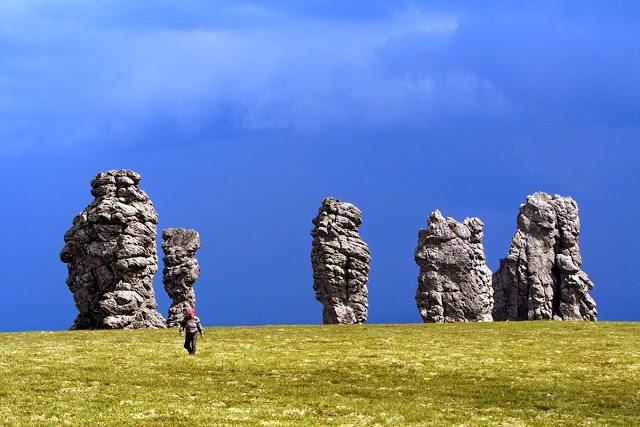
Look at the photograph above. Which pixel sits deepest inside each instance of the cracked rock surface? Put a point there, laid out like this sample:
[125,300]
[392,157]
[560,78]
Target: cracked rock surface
[454,284]
[110,252]
[541,278]
[340,261]
[181,270]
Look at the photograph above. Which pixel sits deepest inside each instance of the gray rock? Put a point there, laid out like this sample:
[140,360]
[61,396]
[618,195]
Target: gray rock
[541,277]
[181,270]
[340,261]
[454,284]
[110,252]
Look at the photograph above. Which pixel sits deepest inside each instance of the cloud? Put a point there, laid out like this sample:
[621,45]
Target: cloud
[84,74]
[73,76]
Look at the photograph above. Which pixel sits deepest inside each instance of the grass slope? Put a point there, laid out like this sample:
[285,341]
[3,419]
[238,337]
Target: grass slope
[525,373]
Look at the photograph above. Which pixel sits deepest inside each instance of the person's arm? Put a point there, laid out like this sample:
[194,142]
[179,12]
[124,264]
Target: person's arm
[199,327]
[181,326]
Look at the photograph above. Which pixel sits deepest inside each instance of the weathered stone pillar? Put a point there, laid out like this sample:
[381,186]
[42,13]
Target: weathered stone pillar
[181,270]
[340,261]
[454,284]
[110,252]
[541,276]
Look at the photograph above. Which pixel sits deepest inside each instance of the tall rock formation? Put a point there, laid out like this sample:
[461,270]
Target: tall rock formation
[340,261]
[181,270]
[110,252]
[541,277]
[454,284]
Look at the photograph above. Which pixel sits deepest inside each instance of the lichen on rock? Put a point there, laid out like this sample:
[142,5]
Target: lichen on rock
[454,283]
[340,261]
[110,252]
[541,278]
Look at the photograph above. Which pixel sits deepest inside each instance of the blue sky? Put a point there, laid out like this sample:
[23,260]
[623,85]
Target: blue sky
[242,116]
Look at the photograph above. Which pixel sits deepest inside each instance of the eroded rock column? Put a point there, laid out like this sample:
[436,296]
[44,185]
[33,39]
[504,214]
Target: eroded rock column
[340,261]
[454,284]
[181,270]
[541,278]
[110,252]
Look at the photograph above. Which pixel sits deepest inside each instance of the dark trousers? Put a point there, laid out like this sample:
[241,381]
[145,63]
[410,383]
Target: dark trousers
[190,342]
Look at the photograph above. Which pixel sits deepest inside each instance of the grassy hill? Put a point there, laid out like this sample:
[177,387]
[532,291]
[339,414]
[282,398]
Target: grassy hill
[526,373]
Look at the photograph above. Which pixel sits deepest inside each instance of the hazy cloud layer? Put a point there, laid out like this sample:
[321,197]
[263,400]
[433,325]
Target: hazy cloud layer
[76,74]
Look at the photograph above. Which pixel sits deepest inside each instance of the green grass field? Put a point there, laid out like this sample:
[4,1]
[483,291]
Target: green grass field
[524,373]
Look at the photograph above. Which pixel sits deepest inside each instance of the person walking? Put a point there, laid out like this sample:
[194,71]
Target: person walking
[191,327]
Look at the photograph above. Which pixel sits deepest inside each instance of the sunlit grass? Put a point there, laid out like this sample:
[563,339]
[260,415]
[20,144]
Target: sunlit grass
[524,373]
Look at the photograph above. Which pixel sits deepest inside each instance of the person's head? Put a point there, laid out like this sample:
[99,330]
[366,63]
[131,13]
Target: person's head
[190,312]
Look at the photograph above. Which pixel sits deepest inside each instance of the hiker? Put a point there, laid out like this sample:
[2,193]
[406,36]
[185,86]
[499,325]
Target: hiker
[191,326]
